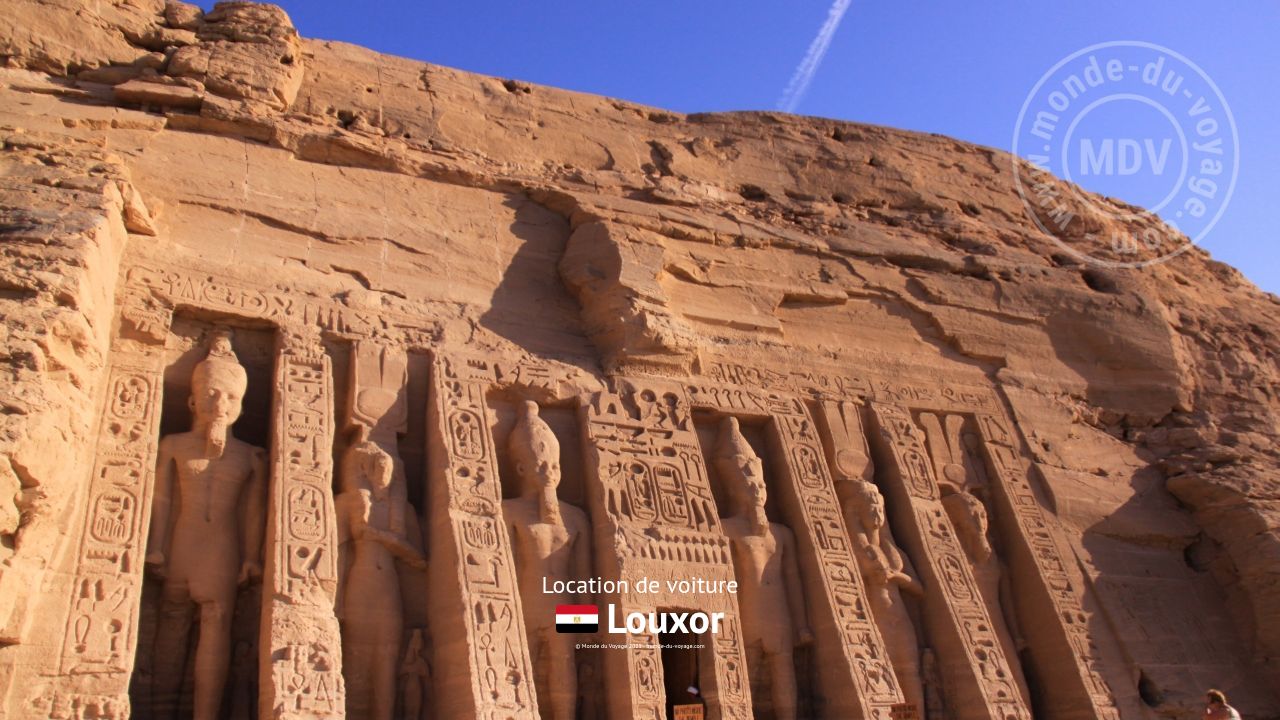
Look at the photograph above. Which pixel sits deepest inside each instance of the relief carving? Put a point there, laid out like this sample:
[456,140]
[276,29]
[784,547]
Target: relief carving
[969,518]
[415,678]
[855,655]
[655,517]
[550,539]
[979,680]
[179,286]
[301,663]
[1053,585]
[886,575]
[880,561]
[837,385]
[472,569]
[962,481]
[651,463]
[1064,504]
[208,484]
[378,534]
[373,540]
[774,619]
[100,637]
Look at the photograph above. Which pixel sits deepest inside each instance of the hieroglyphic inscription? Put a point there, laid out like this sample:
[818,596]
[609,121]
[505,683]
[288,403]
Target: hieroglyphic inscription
[649,695]
[824,542]
[732,687]
[665,545]
[979,678]
[942,397]
[1009,488]
[175,286]
[652,497]
[470,547]
[301,670]
[100,639]
[738,400]
[791,380]
[55,703]
[651,469]
[541,377]
[856,648]
[839,385]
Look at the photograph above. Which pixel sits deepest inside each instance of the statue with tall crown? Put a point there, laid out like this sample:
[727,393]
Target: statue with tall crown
[770,598]
[551,542]
[969,518]
[206,531]
[378,534]
[374,533]
[887,576]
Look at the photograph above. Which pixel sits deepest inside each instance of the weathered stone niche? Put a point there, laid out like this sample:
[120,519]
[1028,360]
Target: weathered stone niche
[443,291]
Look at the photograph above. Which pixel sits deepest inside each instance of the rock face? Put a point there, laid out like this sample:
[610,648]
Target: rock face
[480,324]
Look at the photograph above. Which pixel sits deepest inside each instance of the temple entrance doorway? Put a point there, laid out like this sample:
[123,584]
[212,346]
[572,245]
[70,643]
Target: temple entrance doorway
[680,669]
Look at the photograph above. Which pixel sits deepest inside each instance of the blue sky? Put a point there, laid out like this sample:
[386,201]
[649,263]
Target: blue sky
[961,69]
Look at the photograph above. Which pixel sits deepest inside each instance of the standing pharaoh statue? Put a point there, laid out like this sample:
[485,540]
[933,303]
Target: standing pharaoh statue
[883,569]
[373,522]
[206,531]
[969,518]
[770,597]
[550,539]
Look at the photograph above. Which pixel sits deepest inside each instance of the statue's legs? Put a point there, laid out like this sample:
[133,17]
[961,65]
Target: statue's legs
[170,661]
[909,678]
[563,682]
[782,672]
[357,672]
[904,650]
[213,657]
[370,671]
[384,679]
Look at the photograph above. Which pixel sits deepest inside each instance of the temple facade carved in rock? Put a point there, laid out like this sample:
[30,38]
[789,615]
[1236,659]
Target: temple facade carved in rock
[313,394]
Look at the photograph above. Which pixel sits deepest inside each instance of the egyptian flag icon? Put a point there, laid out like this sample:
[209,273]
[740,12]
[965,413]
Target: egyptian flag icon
[577,618]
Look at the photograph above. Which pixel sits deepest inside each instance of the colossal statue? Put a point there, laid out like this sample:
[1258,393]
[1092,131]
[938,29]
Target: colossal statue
[770,599]
[885,573]
[550,540]
[969,518]
[206,531]
[372,515]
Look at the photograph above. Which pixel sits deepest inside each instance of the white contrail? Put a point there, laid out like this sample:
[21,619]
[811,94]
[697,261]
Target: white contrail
[808,67]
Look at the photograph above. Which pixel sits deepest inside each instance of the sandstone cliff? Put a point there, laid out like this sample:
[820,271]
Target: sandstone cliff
[143,141]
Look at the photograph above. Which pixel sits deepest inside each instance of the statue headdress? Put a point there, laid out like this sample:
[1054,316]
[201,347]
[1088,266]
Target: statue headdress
[220,360]
[731,443]
[532,437]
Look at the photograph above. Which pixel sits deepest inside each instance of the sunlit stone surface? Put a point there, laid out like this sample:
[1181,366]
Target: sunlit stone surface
[492,337]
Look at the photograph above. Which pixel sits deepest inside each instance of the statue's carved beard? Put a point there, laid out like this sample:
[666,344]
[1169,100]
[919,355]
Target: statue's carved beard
[550,506]
[759,518]
[216,441]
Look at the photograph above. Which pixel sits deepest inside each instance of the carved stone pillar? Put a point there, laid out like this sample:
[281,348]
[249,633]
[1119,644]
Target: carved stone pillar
[976,673]
[96,657]
[301,661]
[849,645]
[482,667]
[654,516]
[1057,628]
[730,694]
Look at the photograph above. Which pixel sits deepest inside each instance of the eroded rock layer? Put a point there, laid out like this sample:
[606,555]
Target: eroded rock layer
[472,333]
